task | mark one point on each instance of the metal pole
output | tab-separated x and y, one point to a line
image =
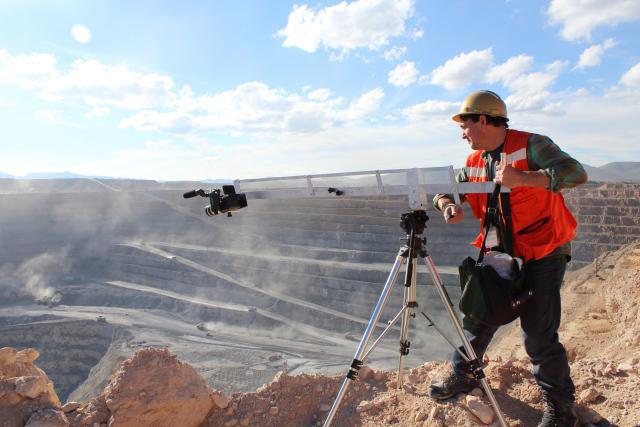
384	333
409	304
443	335
357	359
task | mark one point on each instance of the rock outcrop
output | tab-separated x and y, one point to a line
27	395
153	388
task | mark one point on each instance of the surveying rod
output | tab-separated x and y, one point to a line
411	183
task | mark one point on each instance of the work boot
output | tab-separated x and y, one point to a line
558	414
453	385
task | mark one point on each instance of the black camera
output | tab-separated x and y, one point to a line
226	201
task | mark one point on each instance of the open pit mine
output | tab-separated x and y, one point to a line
94	270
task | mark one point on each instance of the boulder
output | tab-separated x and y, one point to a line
33	386
155	388
589	395
15	363
70	407
47	417
480	409
219	399
26	393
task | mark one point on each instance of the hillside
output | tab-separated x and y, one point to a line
601	330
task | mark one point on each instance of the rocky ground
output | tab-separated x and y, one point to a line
601	330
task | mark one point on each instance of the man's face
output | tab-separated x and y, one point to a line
472	133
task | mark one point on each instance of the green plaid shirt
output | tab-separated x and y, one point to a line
542	154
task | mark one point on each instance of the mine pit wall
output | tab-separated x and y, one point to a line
608	218
99	294
68	349
361	231
38	216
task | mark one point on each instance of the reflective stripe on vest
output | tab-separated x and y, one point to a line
475	173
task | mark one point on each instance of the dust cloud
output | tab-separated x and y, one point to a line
37	276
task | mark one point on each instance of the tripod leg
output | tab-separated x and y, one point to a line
409	304
473	358
356	364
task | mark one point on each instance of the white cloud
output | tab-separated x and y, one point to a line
416	33
321	94
510	69
28	71
404	74
346	26
98	84
592	55
48	115
464	69
87	81
432	139
531	91
527	91
255	108
361	108
250	108
429	108
632	77
81	34
579	131
580	17
97	112
395	53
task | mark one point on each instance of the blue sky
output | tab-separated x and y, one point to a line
211	89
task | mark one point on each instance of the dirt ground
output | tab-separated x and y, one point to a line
600	329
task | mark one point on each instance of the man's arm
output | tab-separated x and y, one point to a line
563	170
441	200
445	202
550	168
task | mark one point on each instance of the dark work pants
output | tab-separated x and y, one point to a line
539	321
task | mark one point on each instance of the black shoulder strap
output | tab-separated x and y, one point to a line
505	205
492	217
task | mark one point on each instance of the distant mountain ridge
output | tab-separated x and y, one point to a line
614	172
71	175
610	172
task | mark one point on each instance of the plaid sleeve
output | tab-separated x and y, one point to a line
460	177
564	171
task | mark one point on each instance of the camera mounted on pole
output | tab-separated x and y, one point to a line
226	202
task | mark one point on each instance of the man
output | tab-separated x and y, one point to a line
535	170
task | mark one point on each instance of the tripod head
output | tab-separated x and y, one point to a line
414	222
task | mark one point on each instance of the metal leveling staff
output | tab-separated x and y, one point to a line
535	169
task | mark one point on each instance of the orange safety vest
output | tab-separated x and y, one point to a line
541	221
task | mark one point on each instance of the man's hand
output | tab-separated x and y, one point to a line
508	176
452	213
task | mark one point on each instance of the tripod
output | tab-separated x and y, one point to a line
414	224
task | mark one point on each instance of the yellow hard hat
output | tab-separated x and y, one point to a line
483	102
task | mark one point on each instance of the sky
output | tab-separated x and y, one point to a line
194	90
